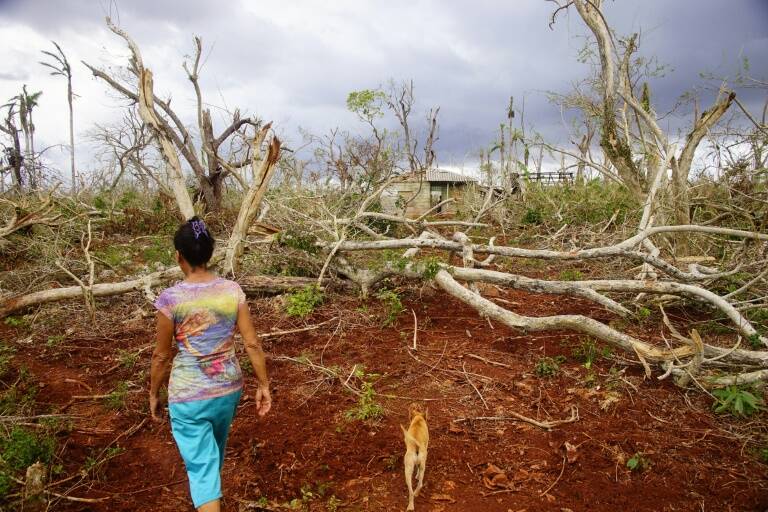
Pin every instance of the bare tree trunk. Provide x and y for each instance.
(71, 135)
(250, 206)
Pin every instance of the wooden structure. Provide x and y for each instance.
(421, 193)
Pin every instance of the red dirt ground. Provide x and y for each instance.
(306, 448)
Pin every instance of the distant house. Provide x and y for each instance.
(418, 194)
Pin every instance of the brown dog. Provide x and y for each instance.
(416, 444)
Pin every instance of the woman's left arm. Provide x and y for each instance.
(161, 359)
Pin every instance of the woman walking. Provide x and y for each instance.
(202, 313)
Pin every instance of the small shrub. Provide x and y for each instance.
(303, 302)
(533, 216)
(737, 401)
(755, 342)
(392, 304)
(548, 366)
(367, 408)
(23, 447)
(638, 462)
(298, 241)
(571, 275)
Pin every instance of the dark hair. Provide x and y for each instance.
(194, 242)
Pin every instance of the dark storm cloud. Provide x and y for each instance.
(295, 62)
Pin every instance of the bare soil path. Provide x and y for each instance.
(308, 453)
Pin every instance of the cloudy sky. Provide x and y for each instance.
(295, 61)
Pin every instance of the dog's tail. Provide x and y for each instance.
(410, 439)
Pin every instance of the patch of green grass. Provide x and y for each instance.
(116, 399)
(548, 366)
(113, 256)
(570, 275)
(638, 462)
(158, 251)
(303, 302)
(393, 306)
(737, 401)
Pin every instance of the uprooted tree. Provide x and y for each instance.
(332, 228)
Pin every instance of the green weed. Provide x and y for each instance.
(588, 352)
(159, 251)
(303, 302)
(638, 462)
(643, 314)
(393, 306)
(571, 275)
(127, 358)
(6, 356)
(533, 216)
(548, 366)
(15, 321)
(737, 401)
(367, 407)
(116, 399)
(55, 340)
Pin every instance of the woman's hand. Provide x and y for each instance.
(154, 407)
(263, 400)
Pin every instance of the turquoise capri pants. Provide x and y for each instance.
(200, 428)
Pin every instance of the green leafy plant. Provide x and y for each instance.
(127, 358)
(548, 366)
(299, 241)
(116, 399)
(571, 275)
(393, 306)
(533, 216)
(643, 314)
(588, 352)
(15, 321)
(6, 356)
(755, 342)
(333, 504)
(303, 302)
(638, 462)
(367, 407)
(23, 447)
(55, 340)
(737, 401)
(430, 267)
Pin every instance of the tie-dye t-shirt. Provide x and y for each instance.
(204, 318)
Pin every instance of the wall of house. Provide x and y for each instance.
(419, 194)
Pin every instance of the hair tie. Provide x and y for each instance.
(198, 228)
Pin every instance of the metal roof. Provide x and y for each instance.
(449, 176)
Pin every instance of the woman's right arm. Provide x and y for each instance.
(161, 363)
(256, 356)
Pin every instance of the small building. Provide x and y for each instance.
(419, 194)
